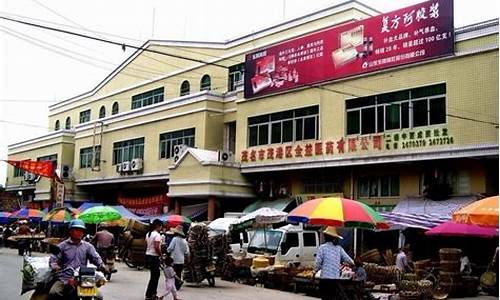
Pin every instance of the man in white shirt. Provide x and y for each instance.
(402, 261)
(178, 249)
(153, 253)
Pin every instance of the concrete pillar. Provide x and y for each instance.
(211, 208)
(177, 209)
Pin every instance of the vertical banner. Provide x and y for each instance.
(59, 194)
(415, 33)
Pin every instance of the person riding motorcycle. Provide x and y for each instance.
(74, 253)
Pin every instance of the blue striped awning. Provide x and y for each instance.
(423, 221)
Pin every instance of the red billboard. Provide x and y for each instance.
(415, 33)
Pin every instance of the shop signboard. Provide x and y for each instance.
(412, 34)
(407, 140)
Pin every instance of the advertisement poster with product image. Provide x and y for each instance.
(415, 33)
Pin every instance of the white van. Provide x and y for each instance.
(289, 244)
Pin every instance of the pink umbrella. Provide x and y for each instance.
(457, 229)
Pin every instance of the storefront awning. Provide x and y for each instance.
(424, 213)
(284, 204)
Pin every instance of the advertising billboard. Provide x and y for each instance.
(415, 33)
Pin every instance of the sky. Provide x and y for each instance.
(39, 67)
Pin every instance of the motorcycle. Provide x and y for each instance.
(210, 272)
(85, 282)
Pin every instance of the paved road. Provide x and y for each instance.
(130, 284)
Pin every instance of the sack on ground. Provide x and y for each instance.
(35, 271)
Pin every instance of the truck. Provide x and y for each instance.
(289, 244)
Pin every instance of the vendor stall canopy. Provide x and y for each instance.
(424, 213)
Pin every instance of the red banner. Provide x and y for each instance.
(42, 168)
(407, 35)
(147, 205)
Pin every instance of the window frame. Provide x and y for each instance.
(203, 83)
(148, 98)
(377, 179)
(384, 105)
(295, 118)
(115, 109)
(102, 112)
(86, 157)
(57, 126)
(122, 147)
(183, 91)
(67, 123)
(85, 116)
(168, 142)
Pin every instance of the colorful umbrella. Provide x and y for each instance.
(338, 212)
(174, 220)
(98, 214)
(483, 212)
(27, 213)
(456, 229)
(61, 215)
(4, 217)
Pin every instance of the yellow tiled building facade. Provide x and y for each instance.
(153, 102)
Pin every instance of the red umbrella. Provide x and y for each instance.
(457, 229)
(174, 220)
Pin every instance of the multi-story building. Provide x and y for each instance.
(388, 131)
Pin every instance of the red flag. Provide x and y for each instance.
(42, 168)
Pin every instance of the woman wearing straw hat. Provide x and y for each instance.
(329, 259)
(178, 249)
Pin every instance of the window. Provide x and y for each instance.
(86, 155)
(57, 126)
(291, 240)
(68, 123)
(170, 139)
(18, 172)
(85, 116)
(310, 239)
(236, 74)
(319, 185)
(378, 186)
(115, 108)
(102, 112)
(185, 88)
(147, 98)
(128, 150)
(410, 108)
(205, 83)
(283, 127)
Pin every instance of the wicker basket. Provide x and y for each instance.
(450, 266)
(450, 254)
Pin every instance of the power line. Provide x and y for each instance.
(123, 45)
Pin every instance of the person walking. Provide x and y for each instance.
(178, 249)
(329, 258)
(153, 254)
(170, 278)
(402, 260)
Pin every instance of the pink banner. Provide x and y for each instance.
(407, 35)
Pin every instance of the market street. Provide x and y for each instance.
(130, 284)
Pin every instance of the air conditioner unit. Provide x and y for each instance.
(178, 151)
(29, 177)
(65, 172)
(119, 168)
(136, 164)
(126, 166)
(225, 156)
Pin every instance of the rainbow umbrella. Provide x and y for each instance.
(174, 220)
(335, 211)
(61, 215)
(483, 213)
(27, 213)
